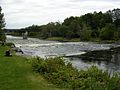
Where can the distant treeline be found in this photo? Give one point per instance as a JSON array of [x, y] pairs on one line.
[[97, 25]]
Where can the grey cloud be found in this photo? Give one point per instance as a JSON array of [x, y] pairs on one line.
[[93, 0], [21, 13]]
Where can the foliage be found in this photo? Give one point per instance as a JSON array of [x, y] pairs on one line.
[[61, 39], [86, 27], [9, 44], [86, 33], [2, 24], [61, 73], [57, 39], [107, 32], [116, 17]]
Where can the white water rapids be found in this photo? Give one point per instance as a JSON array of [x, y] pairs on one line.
[[43, 48]]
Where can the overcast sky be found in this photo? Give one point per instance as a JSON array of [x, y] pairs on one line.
[[22, 13]]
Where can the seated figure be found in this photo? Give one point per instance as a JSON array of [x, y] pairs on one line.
[[8, 53]]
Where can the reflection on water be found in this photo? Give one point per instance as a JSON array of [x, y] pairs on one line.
[[104, 59], [97, 54]]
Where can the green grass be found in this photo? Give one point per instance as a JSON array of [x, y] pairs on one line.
[[16, 74], [97, 40], [61, 39]]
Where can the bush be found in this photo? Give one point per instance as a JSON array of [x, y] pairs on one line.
[[107, 32], [9, 44], [62, 74]]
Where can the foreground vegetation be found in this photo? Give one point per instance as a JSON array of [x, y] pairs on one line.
[[16, 74], [62, 74]]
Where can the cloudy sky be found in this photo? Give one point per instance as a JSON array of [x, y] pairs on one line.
[[22, 13]]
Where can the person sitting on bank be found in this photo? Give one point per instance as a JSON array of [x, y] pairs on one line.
[[3, 43], [8, 53]]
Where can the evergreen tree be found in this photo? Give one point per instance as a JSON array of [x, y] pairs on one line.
[[2, 25]]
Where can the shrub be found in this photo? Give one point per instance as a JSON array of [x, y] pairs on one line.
[[62, 74], [9, 44]]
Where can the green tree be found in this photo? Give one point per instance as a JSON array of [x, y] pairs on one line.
[[50, 30], [116, 17], [117, 34], [91, 25], [74, 27], [63, 31], [2, 25], [107, 32], [86, 33]]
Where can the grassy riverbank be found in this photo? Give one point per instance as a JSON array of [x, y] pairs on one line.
[[19, 73], [61, 39], [16, 74]]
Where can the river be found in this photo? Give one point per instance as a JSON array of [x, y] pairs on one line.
[[81, 54]]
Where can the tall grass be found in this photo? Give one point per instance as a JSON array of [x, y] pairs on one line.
[[62, 74]]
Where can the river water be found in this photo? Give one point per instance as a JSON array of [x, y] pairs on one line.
[[81, 54]]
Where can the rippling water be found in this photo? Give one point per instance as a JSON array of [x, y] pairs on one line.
[[43, 48]]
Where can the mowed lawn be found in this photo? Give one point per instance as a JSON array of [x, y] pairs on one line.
[[16, 74]]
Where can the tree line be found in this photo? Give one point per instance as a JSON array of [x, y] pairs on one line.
[[97, 25]]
